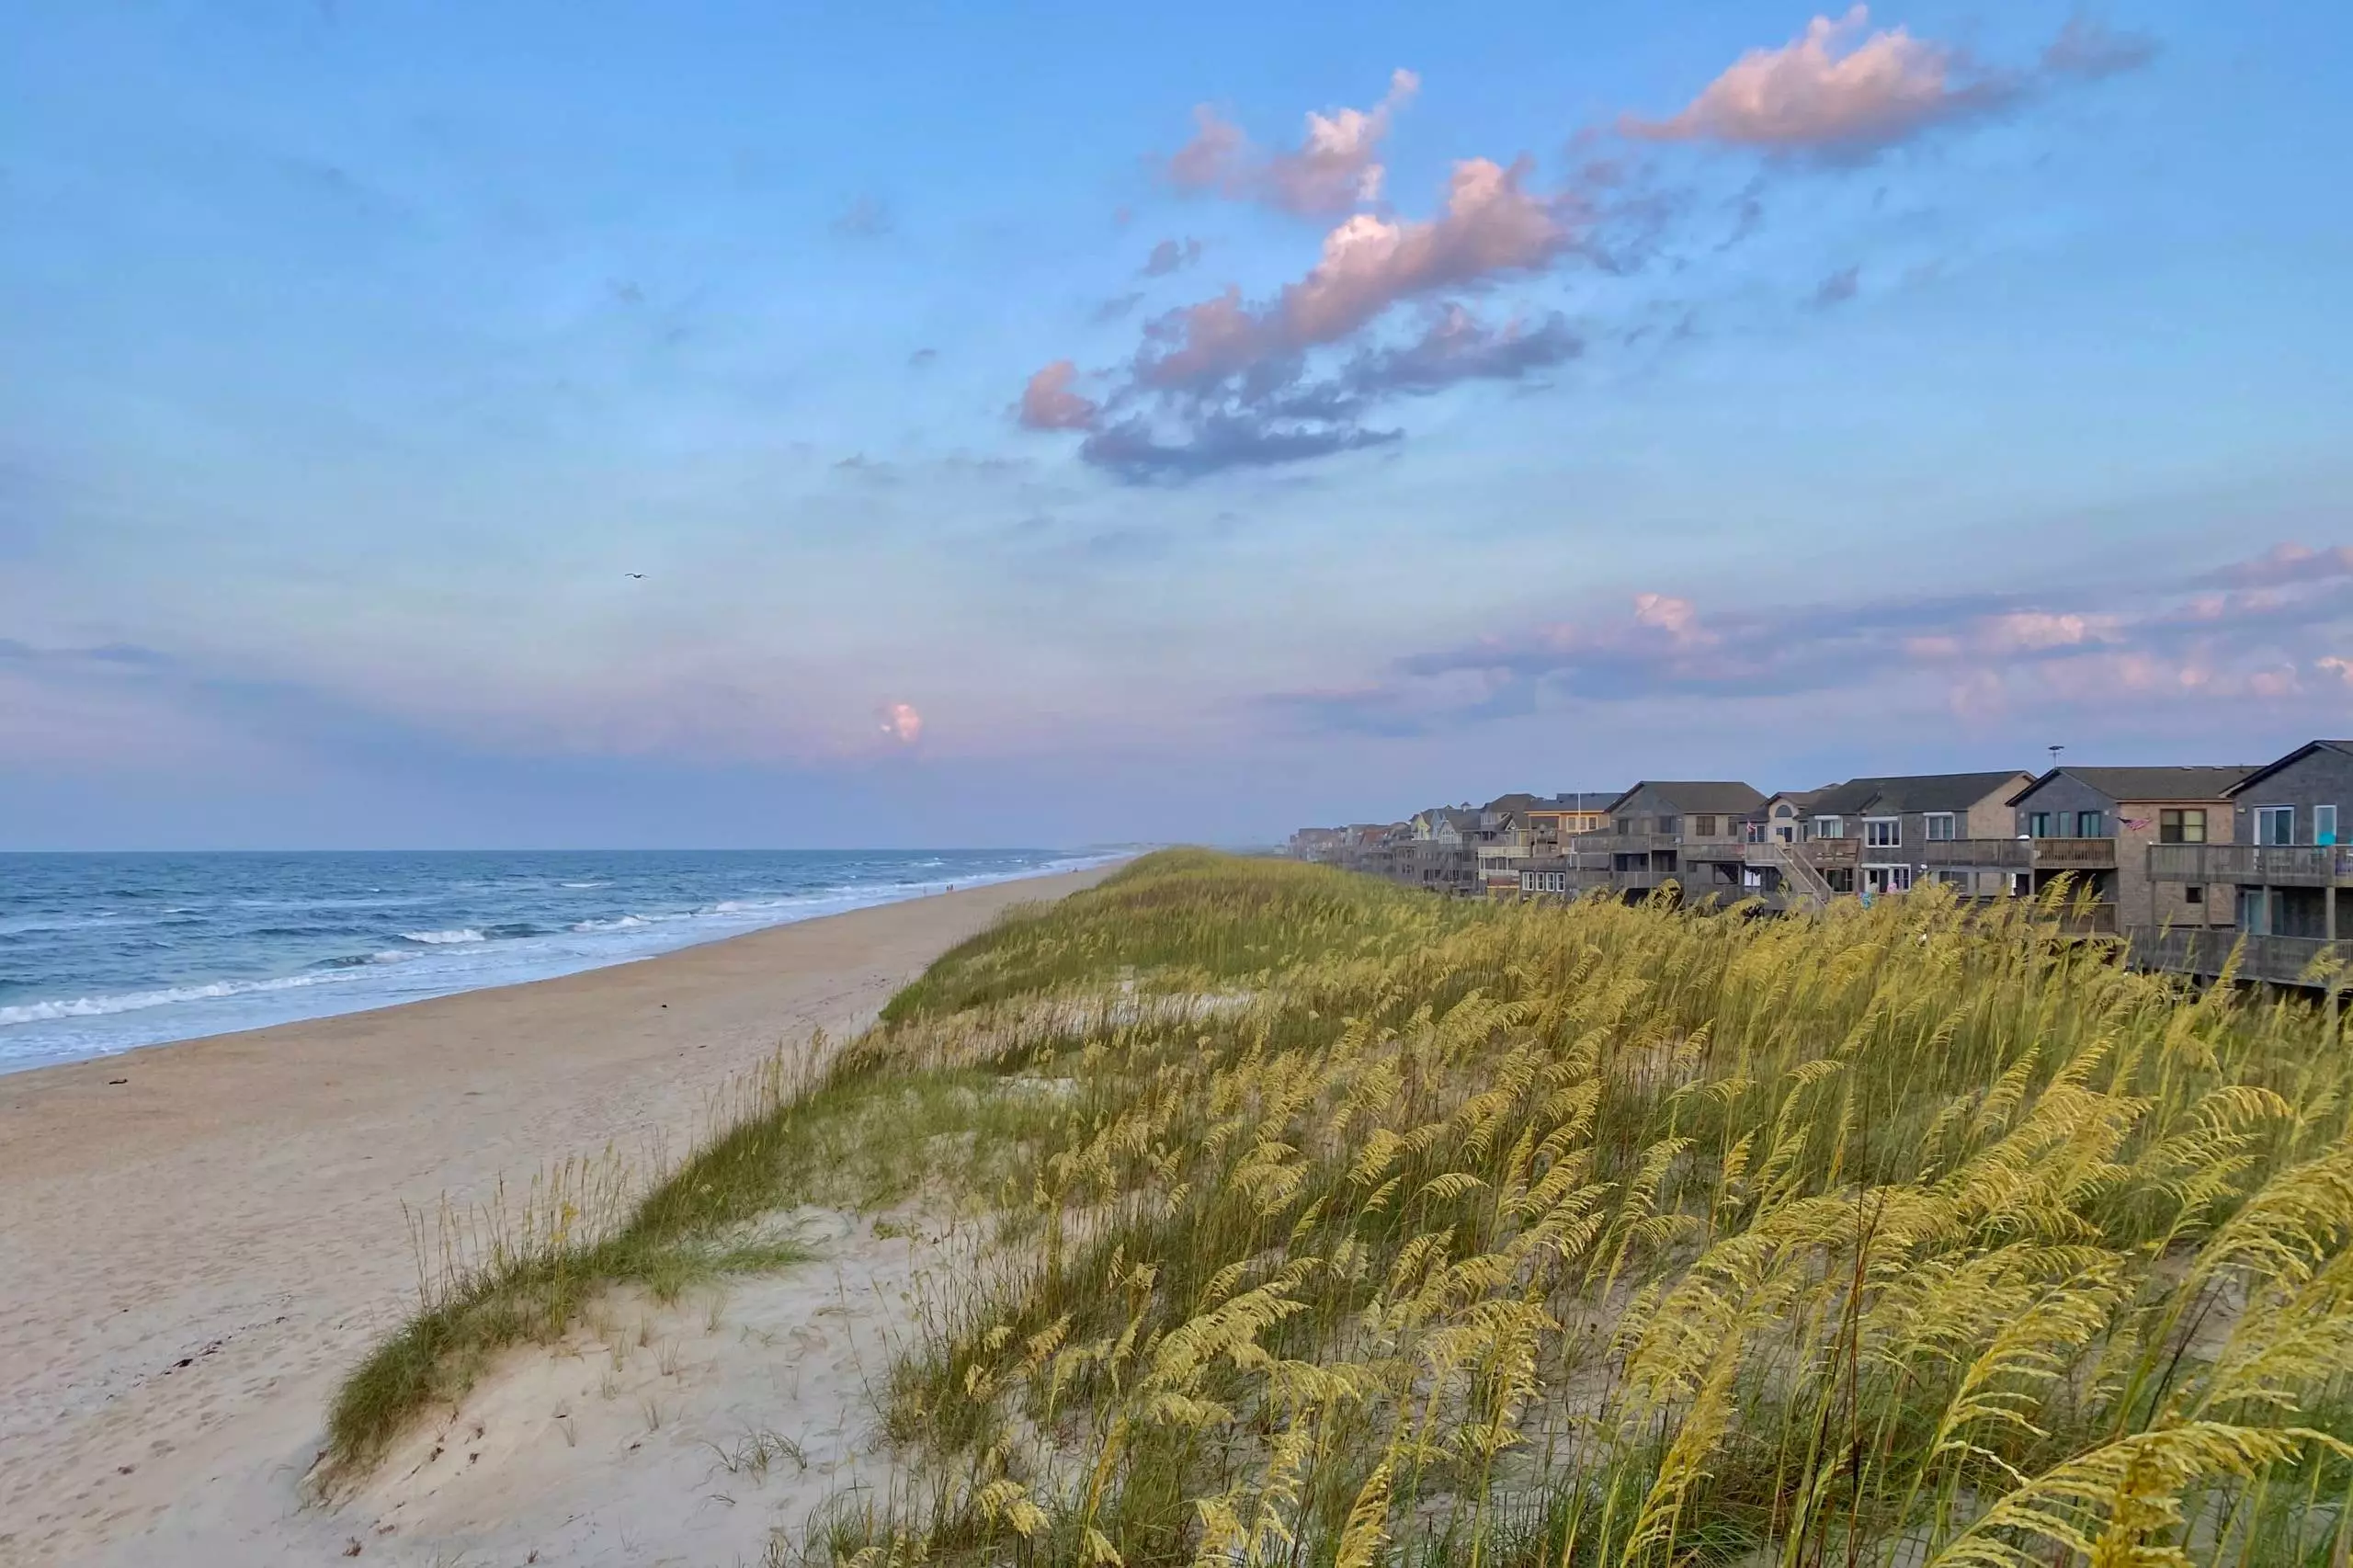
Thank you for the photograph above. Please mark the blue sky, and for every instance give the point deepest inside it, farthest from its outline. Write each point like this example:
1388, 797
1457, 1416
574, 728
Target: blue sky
1032, 427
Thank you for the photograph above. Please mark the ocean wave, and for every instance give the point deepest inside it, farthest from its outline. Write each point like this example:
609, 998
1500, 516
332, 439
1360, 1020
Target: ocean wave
584, 884
137, 1001
444, 939
624, 923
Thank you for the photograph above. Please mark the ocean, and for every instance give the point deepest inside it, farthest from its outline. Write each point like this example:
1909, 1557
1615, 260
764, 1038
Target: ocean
102, 953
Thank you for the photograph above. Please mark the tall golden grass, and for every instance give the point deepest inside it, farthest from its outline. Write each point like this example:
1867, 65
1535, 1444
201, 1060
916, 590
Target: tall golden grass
1365, 1228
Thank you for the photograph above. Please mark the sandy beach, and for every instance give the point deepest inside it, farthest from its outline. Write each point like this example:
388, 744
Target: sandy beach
197, 1239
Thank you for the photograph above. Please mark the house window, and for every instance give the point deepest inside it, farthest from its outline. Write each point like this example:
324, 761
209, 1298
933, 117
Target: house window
2181, 827
1882, 833
1830, 828
1703, 827
2323, 825
2038, 825
1527, 881
2274, 824
2193, 894
1669, 825
1626, 827
2088, 825
1939, 826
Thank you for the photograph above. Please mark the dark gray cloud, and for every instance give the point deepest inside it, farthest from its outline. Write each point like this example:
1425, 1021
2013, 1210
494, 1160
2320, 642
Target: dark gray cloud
922, 358
1838, 287
1117, 307
1456, 347
1171, 256
1219, 440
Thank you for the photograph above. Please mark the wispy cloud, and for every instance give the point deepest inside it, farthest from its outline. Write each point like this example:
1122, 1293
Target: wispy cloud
1171, 256
2280, 639
1838, 287
1840, 91
866, 217
1337, 166
2089, 46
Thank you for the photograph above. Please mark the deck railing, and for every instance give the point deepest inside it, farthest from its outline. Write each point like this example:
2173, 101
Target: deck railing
2074, 853
1995, 854
2294, 865
2283, 961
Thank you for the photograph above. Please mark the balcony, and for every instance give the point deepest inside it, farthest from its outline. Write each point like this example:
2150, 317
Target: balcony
2281, 960
2270, 865
1625, 843
1989, 854
2074, 853
1827, 854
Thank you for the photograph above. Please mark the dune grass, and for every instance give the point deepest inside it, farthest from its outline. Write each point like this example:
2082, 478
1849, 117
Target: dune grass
1368, 1228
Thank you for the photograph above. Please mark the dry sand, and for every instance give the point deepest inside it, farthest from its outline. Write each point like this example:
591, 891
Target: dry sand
190, 1259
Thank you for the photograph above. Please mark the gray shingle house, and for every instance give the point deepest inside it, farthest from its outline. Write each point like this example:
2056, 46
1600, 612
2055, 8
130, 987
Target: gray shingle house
2121, 812
1880, 835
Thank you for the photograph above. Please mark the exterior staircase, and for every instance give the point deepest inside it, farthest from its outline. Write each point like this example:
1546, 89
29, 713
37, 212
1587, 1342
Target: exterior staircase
1802, 883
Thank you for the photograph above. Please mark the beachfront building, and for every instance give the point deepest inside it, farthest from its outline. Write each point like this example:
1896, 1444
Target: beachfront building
1688, 832
2288, 869
1887, 836
2093, 827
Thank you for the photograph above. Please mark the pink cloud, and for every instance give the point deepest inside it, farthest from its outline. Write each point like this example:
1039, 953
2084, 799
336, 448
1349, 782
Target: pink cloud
1048, 403
1824, 92
1675, 617
1490, 225
902, 722
1335, 166
2030, 632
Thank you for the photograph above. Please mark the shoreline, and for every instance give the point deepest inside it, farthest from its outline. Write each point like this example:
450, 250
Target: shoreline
190, 1259
319, 989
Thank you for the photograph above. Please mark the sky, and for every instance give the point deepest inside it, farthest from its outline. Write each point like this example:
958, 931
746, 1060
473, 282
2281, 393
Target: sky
730, 424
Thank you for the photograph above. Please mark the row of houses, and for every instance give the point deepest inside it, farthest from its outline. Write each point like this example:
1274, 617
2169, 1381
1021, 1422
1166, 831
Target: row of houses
2187, 863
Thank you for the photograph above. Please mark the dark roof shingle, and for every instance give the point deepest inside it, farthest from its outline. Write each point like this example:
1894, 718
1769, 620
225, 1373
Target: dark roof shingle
1916, 793
2199, 783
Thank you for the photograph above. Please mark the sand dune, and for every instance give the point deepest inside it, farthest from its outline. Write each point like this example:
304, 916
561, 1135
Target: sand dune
189, 1259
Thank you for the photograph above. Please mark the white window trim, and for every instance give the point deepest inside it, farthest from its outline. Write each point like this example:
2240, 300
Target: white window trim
2262, 813
1952, 821
1830, 828
2330, 808
1893, 842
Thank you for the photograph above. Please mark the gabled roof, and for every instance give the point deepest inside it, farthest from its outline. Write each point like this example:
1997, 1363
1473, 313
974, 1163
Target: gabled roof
1580, 801
2299, 754
1517, 802
1711, 797
2149, 783
1916, 793
1800, 798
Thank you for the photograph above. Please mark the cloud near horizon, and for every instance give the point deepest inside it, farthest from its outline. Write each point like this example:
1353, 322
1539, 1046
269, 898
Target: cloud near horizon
1840, 93
2279, 638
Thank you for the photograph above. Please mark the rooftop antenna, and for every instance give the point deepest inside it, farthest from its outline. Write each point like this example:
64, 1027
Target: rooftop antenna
2054, 752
